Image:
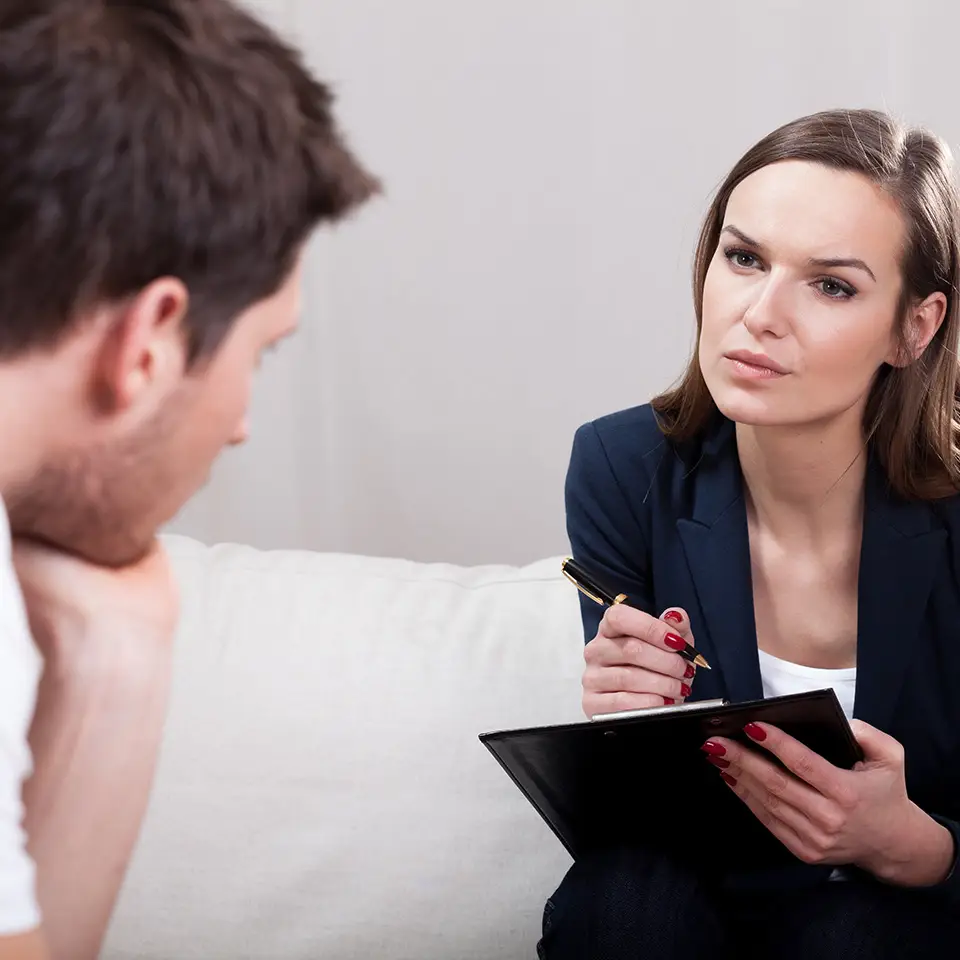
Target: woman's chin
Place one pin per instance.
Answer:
(751, 410)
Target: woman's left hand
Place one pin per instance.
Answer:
(826, 815)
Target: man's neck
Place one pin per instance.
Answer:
(32, 405)
(805, 482)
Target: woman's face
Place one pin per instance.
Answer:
(800, 298)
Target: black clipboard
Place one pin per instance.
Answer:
(642, 779)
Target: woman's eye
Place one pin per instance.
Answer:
(741, 258)
(835, 289)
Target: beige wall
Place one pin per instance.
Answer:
(547, 163)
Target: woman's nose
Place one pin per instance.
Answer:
(768, 308)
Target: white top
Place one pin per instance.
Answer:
(781, 677)
(20, 666)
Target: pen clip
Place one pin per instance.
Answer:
(582, 588)
(587, 585)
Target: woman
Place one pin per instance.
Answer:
(792, 509)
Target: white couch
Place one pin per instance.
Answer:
(321, 791)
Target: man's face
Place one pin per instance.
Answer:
(105, 500)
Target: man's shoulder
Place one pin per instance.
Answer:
(20, 662)
(20, 666)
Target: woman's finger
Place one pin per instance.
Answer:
(633, 680)
(775, 791)
(784, 831)
(629, 651)
(679, 622)
(623, 621)
(595, 704)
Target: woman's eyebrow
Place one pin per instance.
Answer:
(822, 262)
(854, 262)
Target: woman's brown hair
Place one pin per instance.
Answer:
(912, 417)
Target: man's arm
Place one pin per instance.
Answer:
(95, 740)
(20, 667)
(27, 946)
(105, 636)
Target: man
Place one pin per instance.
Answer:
(162, 163)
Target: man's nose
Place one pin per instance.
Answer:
(241, 433)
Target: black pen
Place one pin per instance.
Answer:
(590, 587)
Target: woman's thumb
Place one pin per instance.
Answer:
(877, 746)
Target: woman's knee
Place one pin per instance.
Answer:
(625, 897)
(637, 876)
(851, 920)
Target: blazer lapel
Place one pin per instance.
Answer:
(717, 549)
(901, 549)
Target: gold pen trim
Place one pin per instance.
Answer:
(698, 658)
(581, 587)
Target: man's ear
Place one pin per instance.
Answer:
(922, 323)
(144, 350)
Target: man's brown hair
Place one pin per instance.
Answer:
(912, 417)
(150, 138)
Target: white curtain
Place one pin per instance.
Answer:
(547, 163)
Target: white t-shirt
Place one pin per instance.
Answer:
(781, 677)
(20, 666)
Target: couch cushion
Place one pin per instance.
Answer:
(321, 790)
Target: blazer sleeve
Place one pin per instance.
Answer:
(948, 890)
(605, 533)
(946, 893)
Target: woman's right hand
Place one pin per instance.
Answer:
(632, 663)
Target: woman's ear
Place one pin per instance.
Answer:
(921, 325)
(144, 352)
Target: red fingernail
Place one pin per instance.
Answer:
(714, 749)
(669, 700)
(755, 732)
(728, 779)
(675, 642)
(685, 689)
(673, 616)
(718, 762)
(691, 671)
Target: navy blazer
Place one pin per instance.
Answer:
(666, 523)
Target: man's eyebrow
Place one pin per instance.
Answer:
(824, 262)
